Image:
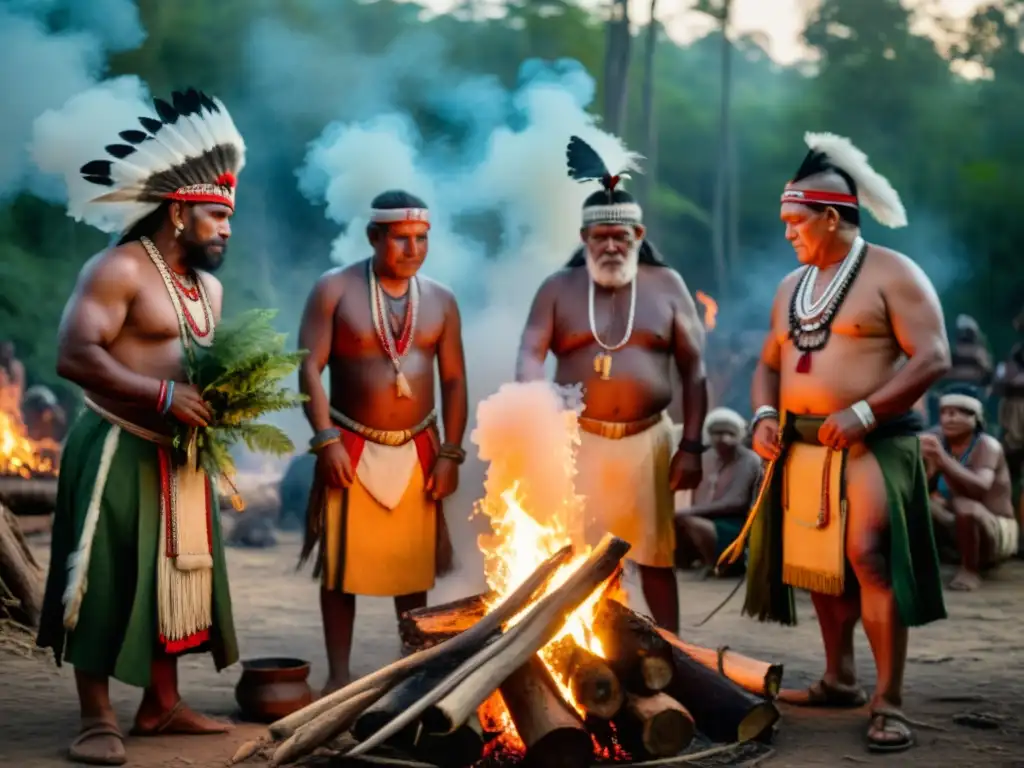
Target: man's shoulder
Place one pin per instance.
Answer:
(892, 263)
(559, 280)
(120, 262)
(990, 445)
(432, 289)
(748, 457)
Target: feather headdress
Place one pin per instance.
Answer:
(871, 190)
(614, 205)
(191, 151)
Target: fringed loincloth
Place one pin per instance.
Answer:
(185, 560)
(813, 515)
(623, 475)
(912, 557)
(383, 535)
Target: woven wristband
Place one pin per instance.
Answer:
(323, 438)
(453, 452)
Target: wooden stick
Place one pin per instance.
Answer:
(594, 685)
(477, 677)
(536, 631)
(324, 727)
(665, 726)
(551, 730)
(464, 645)
(757, 677)
(641, 658)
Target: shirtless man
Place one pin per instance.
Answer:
(617, 302)
(382, 470)
(118, 602)
(972, 502)
(856, 338)
(726, 491)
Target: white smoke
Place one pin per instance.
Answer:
(43, 68)
(514, 169)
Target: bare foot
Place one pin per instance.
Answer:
(178, 720)
(965, 581)
(98, 743)
(335, 684)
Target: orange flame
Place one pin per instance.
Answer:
(19, 454)
(710, 309)
(517, 546)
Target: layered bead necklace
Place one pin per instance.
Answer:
(395, 349)
(603, 360)
(810, 321)
(188, 295)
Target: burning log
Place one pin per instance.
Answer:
(460, 647)
(424, 627)
(452, 750)
(452, 702)
(721, 709)
(594, 685)
(551, 730)
(28, 495)
(639, 656)
(757, 677)
(21, 578)
(659, 723)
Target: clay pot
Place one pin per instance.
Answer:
(272, 688)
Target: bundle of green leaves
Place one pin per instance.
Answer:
(240, 377)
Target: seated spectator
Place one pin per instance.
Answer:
(970, 483)
(723, 498)
(43, 415)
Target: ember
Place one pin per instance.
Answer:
(549, 666)
(710, 310)
(20, 455)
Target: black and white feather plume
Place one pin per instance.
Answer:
(185, 146)
(585, 164)
(874, 191)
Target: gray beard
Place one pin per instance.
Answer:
(617, 277)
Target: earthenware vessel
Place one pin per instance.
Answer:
(271, 688)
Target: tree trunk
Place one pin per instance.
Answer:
(649, 180)
(616, 68)
(721, 206)
(22, 580)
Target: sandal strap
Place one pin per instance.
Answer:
(98, 729)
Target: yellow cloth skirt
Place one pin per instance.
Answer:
(387, 552)
(814, 520)
(625, 484)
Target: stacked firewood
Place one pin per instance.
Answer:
(646, 696)
(29, 495)
(21, 577)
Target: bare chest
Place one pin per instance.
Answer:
(862, 312)
(153, 316)
(612, 321)
(356, 334)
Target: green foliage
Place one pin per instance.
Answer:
(240, 376)
(950, 144)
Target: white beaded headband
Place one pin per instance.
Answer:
(616, 213)
(393, 215)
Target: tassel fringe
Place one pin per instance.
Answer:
(814, 581)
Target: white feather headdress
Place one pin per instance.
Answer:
(190, 151)
(874, 191)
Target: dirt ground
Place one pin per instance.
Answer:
(969, 663)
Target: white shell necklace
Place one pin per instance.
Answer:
(809, 310)
(603, 360)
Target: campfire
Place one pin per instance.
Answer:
(28, 468)
(549, 666)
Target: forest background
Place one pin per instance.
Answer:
(720, 122)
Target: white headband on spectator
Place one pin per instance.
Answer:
(963, 402)
(393, 215)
